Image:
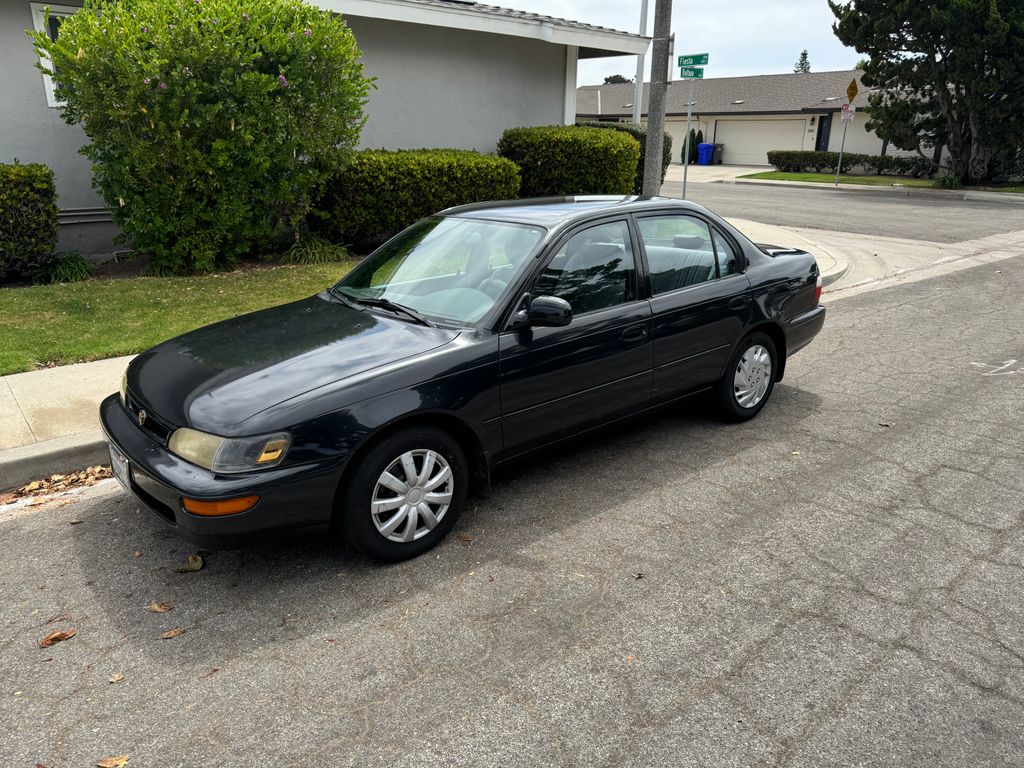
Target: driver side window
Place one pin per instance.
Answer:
(593, 270)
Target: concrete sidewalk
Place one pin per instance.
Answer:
(50, 419)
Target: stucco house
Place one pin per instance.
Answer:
(450, 73)
(751, 115)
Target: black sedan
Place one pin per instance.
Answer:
(371, 410)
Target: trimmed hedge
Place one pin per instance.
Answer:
(379, 193)
(639, 132)
(790, 161)
(572, 160)
(28, 217)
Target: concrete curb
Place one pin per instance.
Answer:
(61, 455)
(1009, 198)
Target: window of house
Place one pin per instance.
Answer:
(51, 27)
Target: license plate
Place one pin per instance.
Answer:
(119, 466)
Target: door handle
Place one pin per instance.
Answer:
(739, 302)
(636, 333)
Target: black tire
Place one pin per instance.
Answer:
(728, 403)
(354, 522)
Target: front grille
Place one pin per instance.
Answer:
(156, 428)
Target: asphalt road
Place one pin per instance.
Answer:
(869, 213)
(837, 582)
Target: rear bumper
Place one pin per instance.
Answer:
(802, 328)
(291, 497)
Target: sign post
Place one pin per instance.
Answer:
(847, 118)
(688, 71)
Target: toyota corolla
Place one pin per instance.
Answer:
(371, 410)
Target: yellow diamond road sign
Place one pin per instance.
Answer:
(851, 91)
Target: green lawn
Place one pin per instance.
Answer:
(830, 178)
(95, 319)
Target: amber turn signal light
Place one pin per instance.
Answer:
(219, 508)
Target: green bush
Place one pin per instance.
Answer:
(572, 160)
(313, 249)
(69, 267)
(28, 217)
(211, 122)
(380, 193)
(639, 132)
(794, 161)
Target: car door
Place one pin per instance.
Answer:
(700, 299)
(557, 381)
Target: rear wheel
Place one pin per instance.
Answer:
(405, 494)
(749, 380)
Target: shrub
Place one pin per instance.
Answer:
(313, 249)
(28, 217)
(948, 181)
(211, 122)
(794, 161)
(67, 267)
(380, 193)
(639, 132)
(572, 160)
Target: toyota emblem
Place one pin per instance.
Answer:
(142, 417)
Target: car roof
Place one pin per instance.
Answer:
(554, 211)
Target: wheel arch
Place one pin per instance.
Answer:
(469, 441)
(777, 335)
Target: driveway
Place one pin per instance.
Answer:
(837, 582)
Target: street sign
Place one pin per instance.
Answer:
(691, 73)
(852, 90)
(848, 111)
(693, 60)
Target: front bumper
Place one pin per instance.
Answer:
(291, 497)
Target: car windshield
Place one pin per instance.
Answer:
(445, 268)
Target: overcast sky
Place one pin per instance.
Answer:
(743, 37)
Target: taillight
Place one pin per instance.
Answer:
(817, 289)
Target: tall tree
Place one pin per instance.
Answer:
(803, 64)
(946, 72)
(616, 79)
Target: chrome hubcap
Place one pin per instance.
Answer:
(753, 376)
(412, 495)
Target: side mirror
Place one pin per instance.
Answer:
(549, 312)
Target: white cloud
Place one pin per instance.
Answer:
(744, 37)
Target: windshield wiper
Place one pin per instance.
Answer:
(395, 307)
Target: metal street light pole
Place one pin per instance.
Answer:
(656, 102)
(686, 139)
(639, 93)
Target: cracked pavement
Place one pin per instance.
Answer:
(838, 582)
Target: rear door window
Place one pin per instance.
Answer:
(679, 250)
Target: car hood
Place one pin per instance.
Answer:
(216, 377)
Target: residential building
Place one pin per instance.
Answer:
(750, 116)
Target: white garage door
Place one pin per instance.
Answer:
(747, 142)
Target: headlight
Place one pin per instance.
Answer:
(124, 387)
(229, 454)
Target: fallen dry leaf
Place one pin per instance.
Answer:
(638, 576)
(464, 537)
(58, 617)
(138, 553)
(156, 607)
(57, 636)
(195, 563)
(172, 633)
(55, 483)
(113, 762)
(116, 678)
(76, 521)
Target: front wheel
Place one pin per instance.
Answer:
(405, 494)
(749, 379)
